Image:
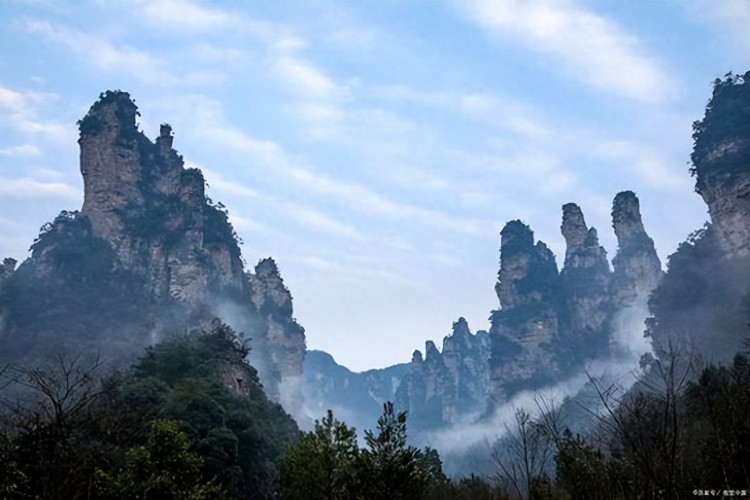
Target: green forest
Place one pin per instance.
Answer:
(170, 428)
(190, 419)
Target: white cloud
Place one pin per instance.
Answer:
(305, 79)
(317, 98)
(305, 216)
(511, 116)
(354, 195)
(647, 164)
(656, 173)
(22, 150)
(245, 224)
(402, 93)
(19, 111)
(590, 47)
(216, 181)
(503, 113)
(11, 100)
(26, 188)
(182, 16)
(102, 53)
(728, 18)
(185, 17)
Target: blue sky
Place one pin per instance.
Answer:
(375, 149)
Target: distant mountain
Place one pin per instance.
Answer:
(551, 323)
(449, 386)
(147, 255)
(356, 398)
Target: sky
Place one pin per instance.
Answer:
(376, 149)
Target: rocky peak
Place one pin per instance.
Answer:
(461, 327)
(461, 336)
(446, 386)
(267, 268)
(431, 352)
(147, 232)
(165, 139)
(110, 163)
(269, 294)
(721, 162)
(637, 268)
(573, 228)
(528, 271)
(7, 268)
(461, 343)
(582, 244)
(416, 357)
(585, 284)
(152, 211)
(285, 338)
(626, 220)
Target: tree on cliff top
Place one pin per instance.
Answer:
(727, 120)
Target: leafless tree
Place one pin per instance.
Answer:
(44, 408)
(524, 455)
(644, 422)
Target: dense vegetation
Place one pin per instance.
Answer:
(718, 136)
(167, 428)
(179, 424)
(702, 305)
(190, 419)
(70, 291)
(667, 438)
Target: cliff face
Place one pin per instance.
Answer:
(586, 278)
(284, 337)
(721, 162)
(702, 306)
(528, 322)
(148, 253)
(139, 197)
(637, 269)
(446, 387)
(550, 322)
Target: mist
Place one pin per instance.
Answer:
(621, 368)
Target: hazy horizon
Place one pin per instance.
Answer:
(376, 149)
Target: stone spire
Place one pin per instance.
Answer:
(573, 229)
(637, 268)
(582, 244)
(585, 280)
(528, 271)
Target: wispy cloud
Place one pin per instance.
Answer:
(26, 188)
(647, 164)
(304, 215)
(187, 18)
(109, 56)
(590, 47)
(304, 79)
(100, 52)
(22, 150)
(184, 16)
(512, 116)
(349, 193)
(502, 113)
(728, 18)
(19, 110)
